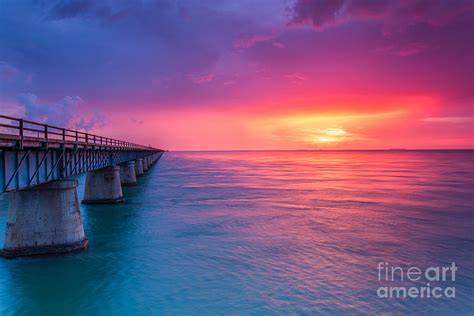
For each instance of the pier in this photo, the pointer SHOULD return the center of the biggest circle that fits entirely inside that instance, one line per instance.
(38, 163)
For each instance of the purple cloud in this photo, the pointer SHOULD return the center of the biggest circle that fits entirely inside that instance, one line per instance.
(248, 40)
(316, 12)
(404, 51)
(200, 79)
(395, 14)
(7, 72)
(62, 113)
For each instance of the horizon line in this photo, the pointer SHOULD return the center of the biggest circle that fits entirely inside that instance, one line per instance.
(374, 149)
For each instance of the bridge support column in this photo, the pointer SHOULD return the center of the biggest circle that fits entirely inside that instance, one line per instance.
(145, 163)
(139, 167)
(127, 173)
(44, 219)
(103, 186)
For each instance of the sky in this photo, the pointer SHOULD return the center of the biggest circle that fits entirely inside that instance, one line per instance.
(236, 75)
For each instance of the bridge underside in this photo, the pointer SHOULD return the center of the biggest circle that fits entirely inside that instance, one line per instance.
(45, 218)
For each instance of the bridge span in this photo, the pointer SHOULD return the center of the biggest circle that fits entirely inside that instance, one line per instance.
(38, 163)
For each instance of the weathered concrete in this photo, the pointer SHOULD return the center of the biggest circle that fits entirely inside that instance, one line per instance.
(44, 219)
(127, 173)
(148, 161)
(145, 164)
(139, 167)
(103, 186)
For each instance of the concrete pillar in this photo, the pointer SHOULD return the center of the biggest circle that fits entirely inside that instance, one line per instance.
(103, 186)
(44, 219)
(139, 167)
(127, 173)
(145, 163)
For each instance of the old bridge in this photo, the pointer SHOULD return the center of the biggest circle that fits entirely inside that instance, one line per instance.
(38, 163)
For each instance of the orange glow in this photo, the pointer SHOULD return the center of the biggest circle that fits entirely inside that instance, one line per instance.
(356, 123)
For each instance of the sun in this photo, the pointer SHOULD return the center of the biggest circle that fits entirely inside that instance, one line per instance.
(324, 139)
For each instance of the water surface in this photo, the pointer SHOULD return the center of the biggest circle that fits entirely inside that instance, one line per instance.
(261, 232)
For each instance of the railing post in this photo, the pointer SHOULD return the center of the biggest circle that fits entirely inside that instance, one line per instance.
(21, 134)
(77, 137)
(46, 135)
(63, 162)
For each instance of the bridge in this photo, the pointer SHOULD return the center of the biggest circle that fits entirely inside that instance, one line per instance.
(38, 163)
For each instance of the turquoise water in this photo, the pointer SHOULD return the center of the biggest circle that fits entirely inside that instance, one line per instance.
(261, 233)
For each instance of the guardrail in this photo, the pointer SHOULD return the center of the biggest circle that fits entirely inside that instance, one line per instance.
(45, 132)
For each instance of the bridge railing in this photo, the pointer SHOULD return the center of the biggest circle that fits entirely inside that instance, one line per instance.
(45, 132)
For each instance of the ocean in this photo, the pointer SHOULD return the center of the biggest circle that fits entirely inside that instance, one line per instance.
(265, 232)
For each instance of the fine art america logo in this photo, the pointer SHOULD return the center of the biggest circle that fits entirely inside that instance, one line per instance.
(430, 282)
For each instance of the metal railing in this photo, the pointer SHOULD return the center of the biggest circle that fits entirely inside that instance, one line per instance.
(45, 132)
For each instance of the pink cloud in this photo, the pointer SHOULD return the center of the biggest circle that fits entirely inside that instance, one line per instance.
(249, 40)
(295, 77)
(404, 51)
(278, 45)
(200, 79)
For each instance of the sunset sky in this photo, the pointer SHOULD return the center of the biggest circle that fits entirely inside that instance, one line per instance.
(266, 74)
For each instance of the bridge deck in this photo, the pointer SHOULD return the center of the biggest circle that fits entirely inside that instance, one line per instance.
(11, 141)
(32, 153)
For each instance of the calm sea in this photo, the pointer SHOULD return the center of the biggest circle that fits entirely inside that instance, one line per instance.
(262, 233)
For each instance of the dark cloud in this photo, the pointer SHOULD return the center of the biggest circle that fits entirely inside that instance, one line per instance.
(320, 13)
(126, 45)
(175, 53)
(317, 12)
(367, 8)
(65, 9)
